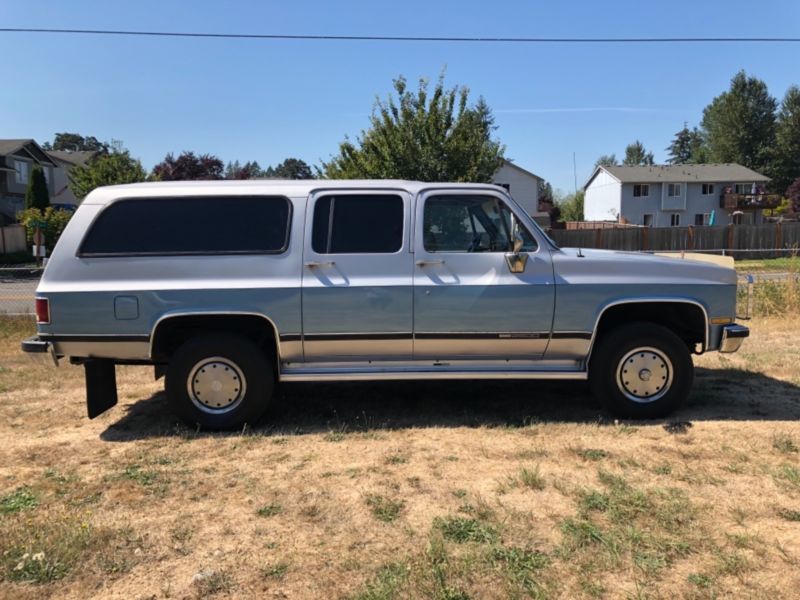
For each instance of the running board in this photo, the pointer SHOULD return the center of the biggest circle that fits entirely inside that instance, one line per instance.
(428, 372)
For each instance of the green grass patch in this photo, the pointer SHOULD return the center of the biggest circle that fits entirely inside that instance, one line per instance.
(788, 514)
(592, 454)
(462, 530)
(144, 477)
(383, 508)
(788, 475)
(275, 570)
(18, 500)
(386, 584)
(522, 568)
(621, 525)
(269, 510)
(531, 478)
(784, 444)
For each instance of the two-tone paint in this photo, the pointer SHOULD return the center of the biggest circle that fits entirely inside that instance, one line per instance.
(411, 314)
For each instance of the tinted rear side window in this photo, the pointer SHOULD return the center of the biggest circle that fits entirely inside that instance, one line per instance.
(357, 224)
(191, 225)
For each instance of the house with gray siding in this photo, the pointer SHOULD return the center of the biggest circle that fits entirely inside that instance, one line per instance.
(677, 195)
(17, 159)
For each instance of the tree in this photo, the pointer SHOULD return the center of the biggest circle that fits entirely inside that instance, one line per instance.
(250, 170)
(635, 154)
(739, 124)
(687, 147)
(606, 160)
(546, 194)
(188, 167)
(36, 195)
(291, 168)
(787, 143)
(572, 207)
(74, 142)
(113, 168)
(793, 194)
(428, 137)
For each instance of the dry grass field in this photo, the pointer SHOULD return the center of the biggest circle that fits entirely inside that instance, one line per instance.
(442, 491)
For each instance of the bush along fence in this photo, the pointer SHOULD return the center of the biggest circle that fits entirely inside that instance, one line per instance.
(770, 240)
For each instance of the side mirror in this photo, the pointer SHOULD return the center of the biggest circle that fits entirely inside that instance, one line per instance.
(516, 261)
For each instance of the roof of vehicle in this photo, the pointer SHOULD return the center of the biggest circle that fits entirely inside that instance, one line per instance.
(284, 187)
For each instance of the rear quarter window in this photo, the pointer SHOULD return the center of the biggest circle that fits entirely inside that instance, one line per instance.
(190, 225)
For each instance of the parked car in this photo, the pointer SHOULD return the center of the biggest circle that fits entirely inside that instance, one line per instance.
(229, 288)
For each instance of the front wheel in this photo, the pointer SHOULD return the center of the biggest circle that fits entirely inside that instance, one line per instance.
(641, 371)
(219, 381)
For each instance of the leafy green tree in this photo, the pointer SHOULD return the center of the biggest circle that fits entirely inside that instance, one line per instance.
(606, 160)
(787, 144)
(546, 193)
(74, 142)
(36, 195)
(50, 221)
(636, 154)
(739, 124)
(291, 168)
(426, 136)
(571, 206)
(688, 146)
(113, 168)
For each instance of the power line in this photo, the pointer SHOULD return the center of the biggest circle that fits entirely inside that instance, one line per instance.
(403, 38)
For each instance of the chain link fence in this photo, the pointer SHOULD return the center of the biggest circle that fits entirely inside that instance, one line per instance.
(17, 289)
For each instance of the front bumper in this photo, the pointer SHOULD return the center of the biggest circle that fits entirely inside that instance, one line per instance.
(732, 337)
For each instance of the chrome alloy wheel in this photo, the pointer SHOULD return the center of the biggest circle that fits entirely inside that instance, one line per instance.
(216, 385)
(644, 374)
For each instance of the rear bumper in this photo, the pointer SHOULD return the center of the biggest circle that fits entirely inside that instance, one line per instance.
(732, 337)
(35, 345)
(38, 349)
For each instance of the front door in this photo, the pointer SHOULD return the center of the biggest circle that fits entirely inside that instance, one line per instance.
(468, 304)
(357, 270)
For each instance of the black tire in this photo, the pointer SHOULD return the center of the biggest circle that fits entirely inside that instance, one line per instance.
(219, 381)
(659, 374)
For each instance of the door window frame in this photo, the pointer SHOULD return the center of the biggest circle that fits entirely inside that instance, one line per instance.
(408, 202)
(419, 219)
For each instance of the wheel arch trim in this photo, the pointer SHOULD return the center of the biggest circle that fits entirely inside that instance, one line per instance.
(659, 300)
(218, 313)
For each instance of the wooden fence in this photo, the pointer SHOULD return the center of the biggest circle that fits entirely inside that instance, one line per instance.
(741, 241)
(12, 239)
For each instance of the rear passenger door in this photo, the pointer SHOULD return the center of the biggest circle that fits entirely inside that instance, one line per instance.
(357, 276)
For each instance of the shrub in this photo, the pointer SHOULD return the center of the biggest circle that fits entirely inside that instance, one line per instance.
(51, 221)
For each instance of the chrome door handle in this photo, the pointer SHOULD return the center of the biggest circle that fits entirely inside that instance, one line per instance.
(324, 263)
(425, 263)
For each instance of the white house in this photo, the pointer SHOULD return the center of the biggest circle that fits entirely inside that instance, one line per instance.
(523, 186)
(676, 195)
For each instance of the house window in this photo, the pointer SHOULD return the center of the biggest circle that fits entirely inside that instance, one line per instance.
(647, 220)
(675, 220)
(641, 190)
(46, 172)
(743, 188)
(20, 171)
(702, 219)
(673, 190)
(708, 189)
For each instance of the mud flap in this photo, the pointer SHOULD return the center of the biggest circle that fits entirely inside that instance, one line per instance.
(101, 385)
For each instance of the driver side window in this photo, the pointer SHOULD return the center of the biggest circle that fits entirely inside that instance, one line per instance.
(469, 224)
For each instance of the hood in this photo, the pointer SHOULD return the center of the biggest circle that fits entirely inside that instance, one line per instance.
(638, 267)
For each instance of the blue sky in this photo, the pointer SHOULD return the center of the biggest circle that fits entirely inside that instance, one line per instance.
(267, 100)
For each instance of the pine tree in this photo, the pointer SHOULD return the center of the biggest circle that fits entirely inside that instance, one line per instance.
(636, 154)
(37, 195)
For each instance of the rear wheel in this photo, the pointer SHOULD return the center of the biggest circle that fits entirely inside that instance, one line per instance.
(219, 381)
(641, 371)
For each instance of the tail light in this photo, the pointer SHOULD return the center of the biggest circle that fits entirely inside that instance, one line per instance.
(42, 311)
